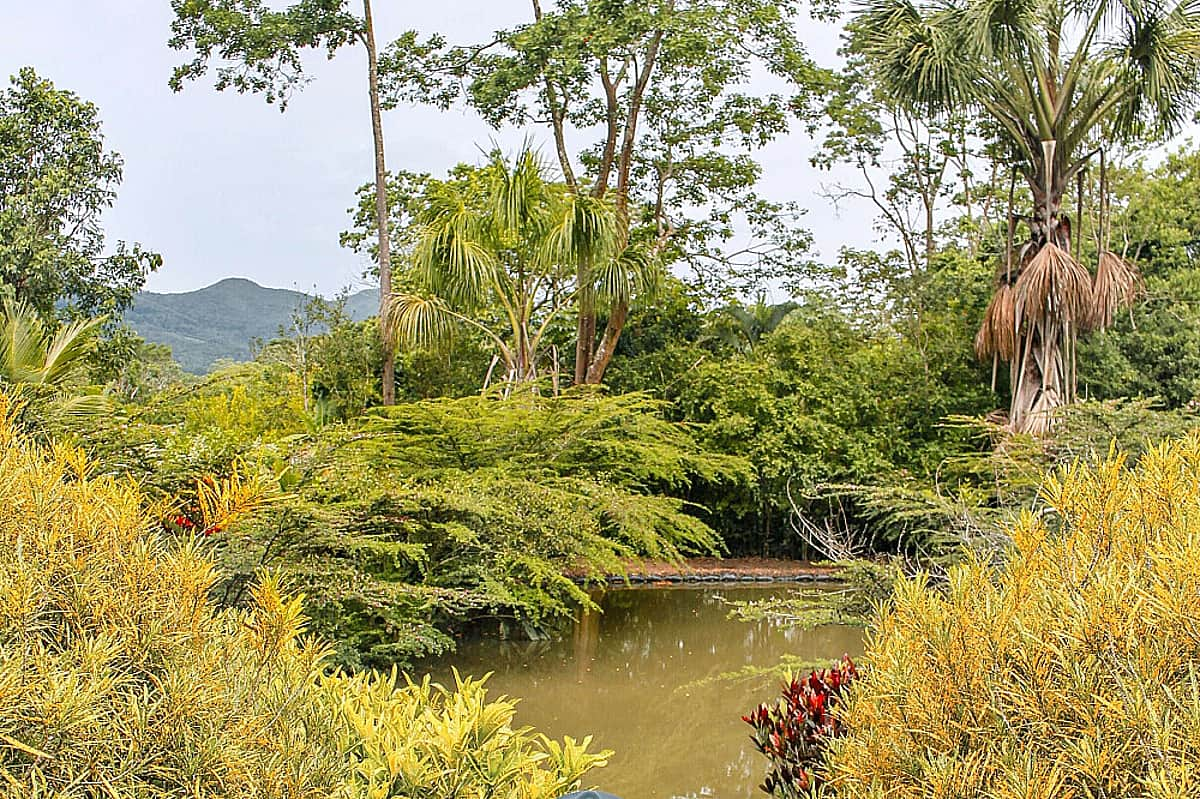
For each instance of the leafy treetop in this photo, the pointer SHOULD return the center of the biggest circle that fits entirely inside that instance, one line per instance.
(56, 180)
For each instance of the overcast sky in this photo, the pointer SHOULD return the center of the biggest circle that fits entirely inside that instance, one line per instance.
(224, 185)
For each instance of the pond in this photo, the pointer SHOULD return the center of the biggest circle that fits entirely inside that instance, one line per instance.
(653, 678)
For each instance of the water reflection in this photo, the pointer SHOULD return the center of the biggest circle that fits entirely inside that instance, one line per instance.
(649, 678)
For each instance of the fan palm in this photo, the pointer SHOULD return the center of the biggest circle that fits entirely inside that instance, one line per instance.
(39, 364)
(506, 241)
(33, 355)
(1057, 80)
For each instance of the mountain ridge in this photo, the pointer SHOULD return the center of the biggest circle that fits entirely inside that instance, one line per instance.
(218, 322)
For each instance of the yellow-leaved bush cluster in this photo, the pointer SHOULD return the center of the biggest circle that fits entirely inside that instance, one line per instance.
(1072, 671)
(118, 679)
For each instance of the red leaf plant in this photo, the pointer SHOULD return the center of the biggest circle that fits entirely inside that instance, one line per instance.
(793, 731)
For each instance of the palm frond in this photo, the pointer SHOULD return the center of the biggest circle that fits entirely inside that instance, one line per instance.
(997, 334)
(918, 54)
(68, 410)
(583, 230)
(65, 351)
(1158, 51)
(1116, 286)
(1053, 286)
(519, 191)
(452, 257)
(777, 313)
(633, 272)
(420, 321)
(22, 343)
(1001, 27)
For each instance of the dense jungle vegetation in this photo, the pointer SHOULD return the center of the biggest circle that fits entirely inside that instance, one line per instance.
(577, 362)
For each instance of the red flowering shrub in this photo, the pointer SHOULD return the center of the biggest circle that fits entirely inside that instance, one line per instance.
(217, 502)
(793, 731)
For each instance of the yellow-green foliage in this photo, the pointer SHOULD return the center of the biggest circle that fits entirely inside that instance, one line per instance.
(422, 740)
(117, 679)
(1070, 672)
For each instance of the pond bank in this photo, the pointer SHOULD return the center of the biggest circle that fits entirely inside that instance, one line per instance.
(723, 570)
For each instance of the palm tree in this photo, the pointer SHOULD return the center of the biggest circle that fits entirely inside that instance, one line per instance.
(742, 327)
(33, 355)
(506, 240)
(1057, 81)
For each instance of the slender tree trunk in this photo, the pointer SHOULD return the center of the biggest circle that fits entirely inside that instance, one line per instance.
(387, 335)
(585, 327)
(608, 344)
(930, 243)
(620, 311)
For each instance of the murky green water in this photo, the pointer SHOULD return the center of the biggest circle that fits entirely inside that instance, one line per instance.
(645, 678)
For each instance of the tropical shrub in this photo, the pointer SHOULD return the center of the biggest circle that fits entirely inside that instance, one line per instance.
(828, 399)
(119, 679)
(980, 491)
(116, 677)
(240, 412)
(795, 731)
(424, 740)
(1070, 669)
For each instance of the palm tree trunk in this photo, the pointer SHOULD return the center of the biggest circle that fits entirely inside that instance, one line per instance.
(585, 327)
(1044, 378)
(387, 335)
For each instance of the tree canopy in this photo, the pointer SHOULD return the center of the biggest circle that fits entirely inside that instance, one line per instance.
(56, 181)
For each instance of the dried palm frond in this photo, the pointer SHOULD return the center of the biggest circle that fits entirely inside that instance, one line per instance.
(1053, 286)
(997, 334)
(1040, 418)
(1118, 283)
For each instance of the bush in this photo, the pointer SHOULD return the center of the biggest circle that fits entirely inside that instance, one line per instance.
(1070, 670)
(422, 740)
(117, 678)
(419, 515)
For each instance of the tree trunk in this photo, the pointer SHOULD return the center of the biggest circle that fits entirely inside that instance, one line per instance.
(608, 344)
(585, 327)
(620, 312)
(387, 335)
(1043, 374)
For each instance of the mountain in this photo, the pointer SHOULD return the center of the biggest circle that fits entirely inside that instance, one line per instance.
(218, 322)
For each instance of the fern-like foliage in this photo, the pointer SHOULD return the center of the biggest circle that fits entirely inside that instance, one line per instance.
(416, 517)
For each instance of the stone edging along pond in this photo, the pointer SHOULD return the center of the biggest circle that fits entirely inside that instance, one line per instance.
(730, 577)
(712, 570)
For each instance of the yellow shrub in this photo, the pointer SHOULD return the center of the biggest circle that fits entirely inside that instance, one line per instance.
(1072, 671)
(422, 740)
(118, 680)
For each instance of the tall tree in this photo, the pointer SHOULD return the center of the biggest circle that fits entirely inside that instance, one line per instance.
(503, 241)
(1058, 81)
(910, 168)
(663, 82)
(56, 180)
(261, 50)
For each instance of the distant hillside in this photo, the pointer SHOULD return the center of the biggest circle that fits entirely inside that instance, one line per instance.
(218, 322)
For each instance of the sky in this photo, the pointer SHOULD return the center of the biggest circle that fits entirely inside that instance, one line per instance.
(225, 185)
